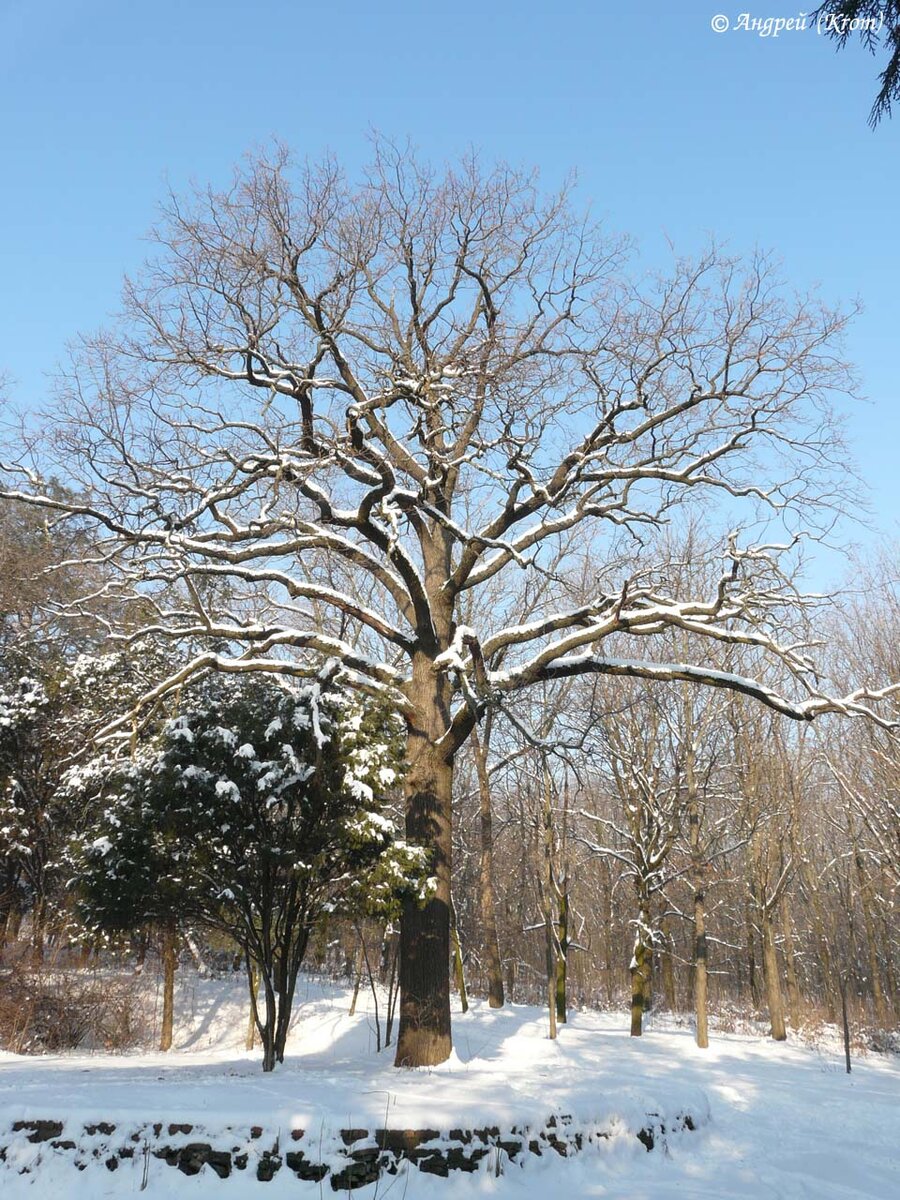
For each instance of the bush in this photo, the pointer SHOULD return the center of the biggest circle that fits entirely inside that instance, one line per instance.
(44, 1010)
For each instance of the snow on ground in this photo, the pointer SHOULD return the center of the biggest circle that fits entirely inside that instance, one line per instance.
(779, 1120)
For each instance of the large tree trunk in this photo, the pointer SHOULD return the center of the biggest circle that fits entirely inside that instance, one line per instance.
(168, 961)
(423, 1038)
(493, 962)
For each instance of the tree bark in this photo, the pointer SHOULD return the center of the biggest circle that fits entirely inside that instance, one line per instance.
(697, 877)
(701, 982)
(772, 977)
(641, 965)
(253, 984)
(790, 966)
(169, 963)
(38, 923)
(562, 962)
(458, 971)
(423, 1037)
(493, 961)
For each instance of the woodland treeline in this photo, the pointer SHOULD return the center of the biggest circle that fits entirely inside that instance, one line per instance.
(616, 843)
(432, 441)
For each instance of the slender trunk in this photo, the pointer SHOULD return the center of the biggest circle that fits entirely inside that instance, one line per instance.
(38, 923)
(666, 967)
(168, 962)
(424, 1034)
(551, 963)
(547, 891)
(751, 952)
(772, 977)
(357, 971)
(253, 984)
(845, 1022)
(393, 989)
(609, 958)
(866, 901)
(13, 924)
(790, 966)
(562, 941)
(493, 962)
(818, 923)
(698, 889)
(374, 990)
(142, 940)
(266, 1026)
(196, 953)
(701, 993)
(458, 972)
(641, 966)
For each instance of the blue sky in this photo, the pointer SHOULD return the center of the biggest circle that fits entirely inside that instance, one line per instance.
(675, 131)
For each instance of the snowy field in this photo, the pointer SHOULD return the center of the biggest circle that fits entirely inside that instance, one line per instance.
(774, 1120)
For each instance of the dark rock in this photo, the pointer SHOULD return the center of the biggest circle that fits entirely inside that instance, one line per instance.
(103, 1127)
(256, 1131)
(357, 1173)
(173, 1129)
(458, 1159)
(60, 1145)
(41, 1131)
(297, 1161)
(646, 1136)
(191, 1158)
(296, 1134)
(434, 1163)
(403, 1141)
(268, 1167)
(220, 1162)
(112, 1163)
(157, 1129)
(488, 1133)
(349, 1136)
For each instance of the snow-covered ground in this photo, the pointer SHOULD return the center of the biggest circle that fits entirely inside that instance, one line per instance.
(777, 1120)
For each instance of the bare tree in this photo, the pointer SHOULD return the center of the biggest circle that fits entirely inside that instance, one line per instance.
(364, 406)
